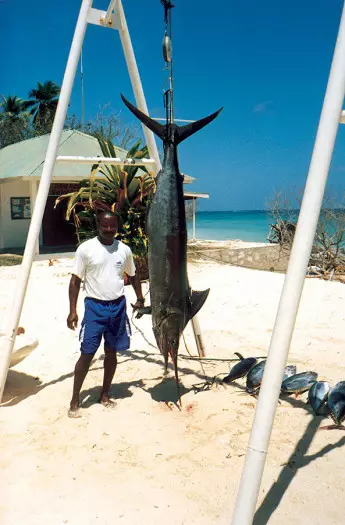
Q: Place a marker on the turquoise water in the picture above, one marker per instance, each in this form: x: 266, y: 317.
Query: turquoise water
x: 250, y: 226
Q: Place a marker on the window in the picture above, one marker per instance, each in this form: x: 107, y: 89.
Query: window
x: 20, y: 208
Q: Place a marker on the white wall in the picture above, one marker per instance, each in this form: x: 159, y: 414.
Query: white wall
x: 13, y: 232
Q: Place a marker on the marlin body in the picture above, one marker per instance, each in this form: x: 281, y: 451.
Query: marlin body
x: 173, y: 303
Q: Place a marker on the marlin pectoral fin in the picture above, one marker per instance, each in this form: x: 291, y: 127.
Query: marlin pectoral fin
x: 190, y: 129
x: 197, y: 301
x: 154, y: 126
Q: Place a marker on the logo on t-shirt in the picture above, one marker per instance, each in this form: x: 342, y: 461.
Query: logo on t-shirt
x: 118, y: 264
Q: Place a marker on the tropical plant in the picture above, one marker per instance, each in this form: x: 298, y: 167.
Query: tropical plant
x: 14, y: 120
x: 121, y: 190
x: 45, y: 100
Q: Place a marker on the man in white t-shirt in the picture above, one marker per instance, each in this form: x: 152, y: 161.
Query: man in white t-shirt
x: 101, y: 263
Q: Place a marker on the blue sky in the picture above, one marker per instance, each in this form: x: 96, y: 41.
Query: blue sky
x: 266, y: 62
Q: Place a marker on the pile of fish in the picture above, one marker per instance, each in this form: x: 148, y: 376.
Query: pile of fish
x: 320, y: 393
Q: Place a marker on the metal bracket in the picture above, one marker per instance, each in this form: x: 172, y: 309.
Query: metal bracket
x: 98, y: 18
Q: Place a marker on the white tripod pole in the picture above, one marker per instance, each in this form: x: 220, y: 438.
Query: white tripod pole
x: 293, y: 286
x: 42, y: 194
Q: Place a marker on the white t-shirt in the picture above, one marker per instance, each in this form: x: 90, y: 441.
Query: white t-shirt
x: 102, y: 268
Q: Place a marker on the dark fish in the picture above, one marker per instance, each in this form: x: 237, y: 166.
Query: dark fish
x: 317, y: 395
x: 289, y: 371
x: 298, y: 383
x: 254, y: 377
x: 336, y: 403
x: 173, y: 303
x: 240, y: 369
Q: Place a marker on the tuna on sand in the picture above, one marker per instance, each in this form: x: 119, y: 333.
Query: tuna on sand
x: 173, y: 303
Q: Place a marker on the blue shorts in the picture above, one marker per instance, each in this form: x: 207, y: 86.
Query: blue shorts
x: 108, y: 319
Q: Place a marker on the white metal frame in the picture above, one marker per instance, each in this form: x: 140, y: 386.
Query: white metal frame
x: 113, y: 18
x: 105, y: 160
x: 331, y: 115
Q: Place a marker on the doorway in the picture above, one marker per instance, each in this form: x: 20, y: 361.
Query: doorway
x: 56, y: 230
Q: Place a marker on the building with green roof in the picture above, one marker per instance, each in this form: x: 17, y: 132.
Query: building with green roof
x: 21, y: 167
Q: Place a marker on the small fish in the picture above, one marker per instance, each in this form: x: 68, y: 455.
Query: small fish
x: 240, y: 369
x: 336, y: 403
x: 318, y: 394
x: 254, y: 377
x: 289, y: 371
x: 299, y: 383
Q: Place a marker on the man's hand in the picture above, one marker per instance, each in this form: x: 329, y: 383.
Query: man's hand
x: 72, y: 320
x: 138, y: 304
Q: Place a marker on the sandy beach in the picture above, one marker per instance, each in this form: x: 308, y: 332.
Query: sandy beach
x: 146, y: 462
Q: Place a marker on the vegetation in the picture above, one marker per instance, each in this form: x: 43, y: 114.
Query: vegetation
x: 327, y: 259
x: 45, y: 98
x: 7, y: 259
x: 23, y: 119
x: 14, y: 120
x: 106, y: 125
x: 124, y: 190
x: 119, y: 189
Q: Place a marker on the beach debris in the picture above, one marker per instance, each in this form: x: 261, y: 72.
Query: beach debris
x: 289, y: 371
x: 298, y: 383
x: 240, y: 369
x: 317, y: 395
x: 173, y: 303
x: 254, y: 377
x: 336, y: 405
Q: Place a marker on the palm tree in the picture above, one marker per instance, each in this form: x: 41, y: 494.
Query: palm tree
x: 45, y: 100
x: 14, y: 120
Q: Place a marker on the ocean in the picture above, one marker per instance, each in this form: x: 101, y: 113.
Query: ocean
x: 252, y: 226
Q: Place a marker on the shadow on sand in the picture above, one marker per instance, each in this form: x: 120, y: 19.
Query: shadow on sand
x: 297, y: 460
x: 20, y: 385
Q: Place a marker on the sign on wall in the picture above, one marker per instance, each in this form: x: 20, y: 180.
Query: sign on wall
x: 20, y: 208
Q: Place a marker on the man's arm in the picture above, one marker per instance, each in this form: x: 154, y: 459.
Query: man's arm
x: 135, y: 282
x: 74, y: 288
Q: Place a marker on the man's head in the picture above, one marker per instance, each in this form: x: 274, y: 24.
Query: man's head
x: 107, y: 226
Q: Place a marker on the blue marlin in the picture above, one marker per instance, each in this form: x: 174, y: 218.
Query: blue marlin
x: 173, y: 303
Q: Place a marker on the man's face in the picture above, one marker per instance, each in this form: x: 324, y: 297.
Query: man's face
x: 107, y: 228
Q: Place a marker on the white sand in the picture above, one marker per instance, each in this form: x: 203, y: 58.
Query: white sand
x: 143, y: 463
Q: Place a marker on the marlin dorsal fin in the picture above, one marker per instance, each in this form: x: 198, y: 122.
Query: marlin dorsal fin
x: 198, y: 299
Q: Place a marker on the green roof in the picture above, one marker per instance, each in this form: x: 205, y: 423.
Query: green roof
x: 26, y: 158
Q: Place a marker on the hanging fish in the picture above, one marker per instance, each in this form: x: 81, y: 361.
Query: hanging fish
x: 318, y: 394
x: 240, y: 369
x: 336, y: 404
x: 173, y: 303
x: 299, y: 383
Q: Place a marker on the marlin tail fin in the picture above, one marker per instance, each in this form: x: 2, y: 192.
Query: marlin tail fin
x: 193, y: 127
x: 154, y: 126
x: 159, y: 129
